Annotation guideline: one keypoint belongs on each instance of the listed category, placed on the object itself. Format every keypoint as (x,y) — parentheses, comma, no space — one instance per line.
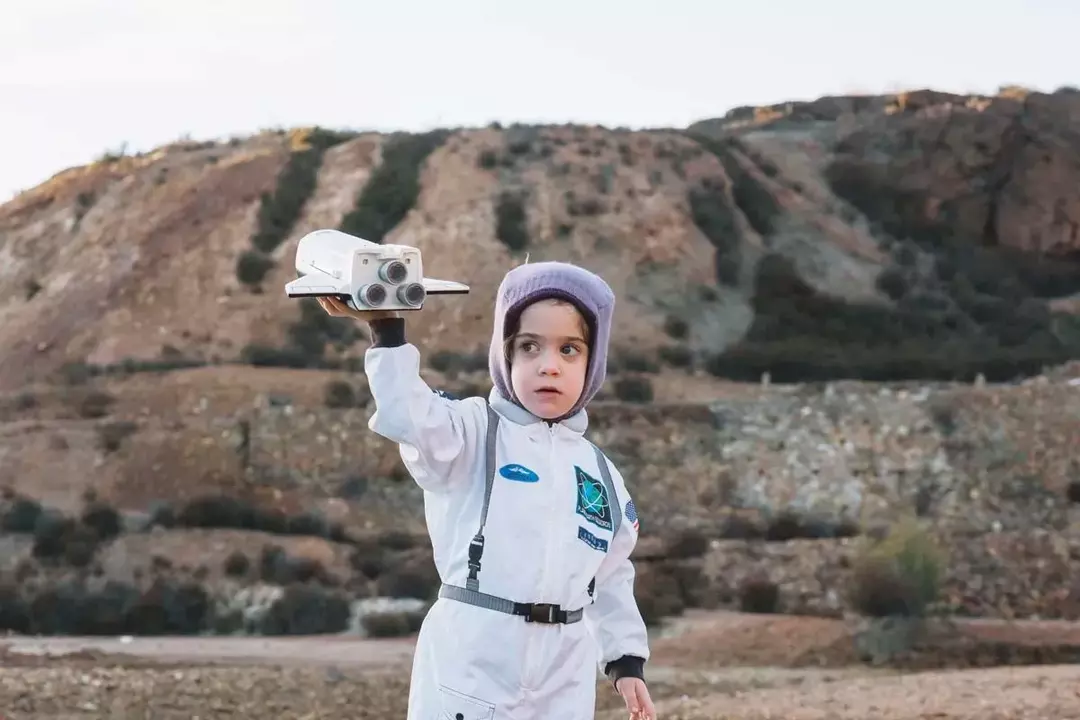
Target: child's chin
(547,411)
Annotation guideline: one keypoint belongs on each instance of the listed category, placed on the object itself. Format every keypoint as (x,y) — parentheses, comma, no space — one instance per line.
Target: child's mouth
(547,391)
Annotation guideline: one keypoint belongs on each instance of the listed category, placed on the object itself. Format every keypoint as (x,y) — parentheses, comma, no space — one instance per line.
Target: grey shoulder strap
(476,546)
(609,485)
(489,451)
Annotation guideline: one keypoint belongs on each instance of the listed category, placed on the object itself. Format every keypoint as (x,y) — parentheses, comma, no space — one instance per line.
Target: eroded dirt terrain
(706,666)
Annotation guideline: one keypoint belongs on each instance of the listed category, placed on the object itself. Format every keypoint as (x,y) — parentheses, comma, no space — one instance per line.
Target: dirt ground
(708,666)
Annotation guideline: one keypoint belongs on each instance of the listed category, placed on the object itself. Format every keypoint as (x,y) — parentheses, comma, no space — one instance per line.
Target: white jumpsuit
(548,534)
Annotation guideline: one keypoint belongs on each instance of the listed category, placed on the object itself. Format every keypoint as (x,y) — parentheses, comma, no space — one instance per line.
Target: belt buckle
(543,613)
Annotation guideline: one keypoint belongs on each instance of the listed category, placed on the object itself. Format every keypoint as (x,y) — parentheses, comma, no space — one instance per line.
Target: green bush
(111,435)
(759,595)
(252,266)
(20,515)
(339,394)
(676,355)
(308,610)
(676,327)
(634,389)
(898,576)
(103,519)
(394,186)
(659,594)
(687,543)
(511,221)
(638,362)
(392,624)
(278,212)
(237,564)
(801,335)
(714,216)
(1072,492)
(296,183)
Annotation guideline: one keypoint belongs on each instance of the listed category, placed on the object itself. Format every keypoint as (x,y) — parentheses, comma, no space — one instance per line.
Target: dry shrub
(759,594)
(393,624)
(899,576)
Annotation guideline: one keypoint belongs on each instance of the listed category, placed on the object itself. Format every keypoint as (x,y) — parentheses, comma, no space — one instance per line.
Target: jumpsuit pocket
(459,706)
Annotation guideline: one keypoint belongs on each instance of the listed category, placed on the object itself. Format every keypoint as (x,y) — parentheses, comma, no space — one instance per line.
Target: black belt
(544,613)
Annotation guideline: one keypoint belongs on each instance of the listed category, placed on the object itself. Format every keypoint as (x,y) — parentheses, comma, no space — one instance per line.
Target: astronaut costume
(519,631)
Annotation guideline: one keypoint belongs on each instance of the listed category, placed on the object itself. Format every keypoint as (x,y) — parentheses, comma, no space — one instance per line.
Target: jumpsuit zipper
(545,564)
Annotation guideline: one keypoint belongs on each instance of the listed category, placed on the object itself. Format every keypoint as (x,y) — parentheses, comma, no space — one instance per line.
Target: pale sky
(78,77)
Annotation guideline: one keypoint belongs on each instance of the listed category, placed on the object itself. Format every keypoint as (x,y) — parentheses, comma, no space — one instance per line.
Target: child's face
(548,358)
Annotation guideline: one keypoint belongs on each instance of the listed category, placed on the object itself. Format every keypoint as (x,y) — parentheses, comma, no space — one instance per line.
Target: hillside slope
(924,235)
(151,359)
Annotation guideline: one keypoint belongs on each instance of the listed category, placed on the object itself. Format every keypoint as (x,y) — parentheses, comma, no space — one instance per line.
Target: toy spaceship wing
(314,285)
(444,287)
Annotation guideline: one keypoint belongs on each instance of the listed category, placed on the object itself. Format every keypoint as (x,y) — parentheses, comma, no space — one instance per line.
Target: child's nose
(549,363)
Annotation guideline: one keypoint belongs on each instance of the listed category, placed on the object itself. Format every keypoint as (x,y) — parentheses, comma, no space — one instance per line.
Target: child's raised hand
(336,308)
(636,696)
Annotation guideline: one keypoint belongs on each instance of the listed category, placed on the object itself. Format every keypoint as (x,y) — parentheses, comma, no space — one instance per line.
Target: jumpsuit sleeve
(433,432)
(614,613)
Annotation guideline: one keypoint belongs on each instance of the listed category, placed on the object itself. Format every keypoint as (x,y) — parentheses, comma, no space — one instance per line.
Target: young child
(533,544)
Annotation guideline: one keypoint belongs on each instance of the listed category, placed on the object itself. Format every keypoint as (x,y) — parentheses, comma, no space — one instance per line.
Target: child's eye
(570,349)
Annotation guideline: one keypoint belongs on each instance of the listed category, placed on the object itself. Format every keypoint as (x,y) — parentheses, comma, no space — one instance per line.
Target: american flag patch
(631,514)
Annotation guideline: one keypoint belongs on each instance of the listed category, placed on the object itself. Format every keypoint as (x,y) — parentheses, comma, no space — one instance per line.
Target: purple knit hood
(530,282)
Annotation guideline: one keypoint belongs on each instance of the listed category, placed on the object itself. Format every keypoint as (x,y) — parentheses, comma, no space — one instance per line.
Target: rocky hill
(917,235)
(149,354)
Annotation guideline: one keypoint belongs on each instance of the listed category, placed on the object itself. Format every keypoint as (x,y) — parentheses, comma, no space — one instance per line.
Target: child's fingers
(333,306)
(646,711)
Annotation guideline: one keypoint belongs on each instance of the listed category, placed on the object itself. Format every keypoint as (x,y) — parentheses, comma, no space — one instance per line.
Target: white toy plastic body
(364,274)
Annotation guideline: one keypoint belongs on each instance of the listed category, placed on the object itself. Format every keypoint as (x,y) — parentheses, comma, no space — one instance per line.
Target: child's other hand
(636,696)
(337,308)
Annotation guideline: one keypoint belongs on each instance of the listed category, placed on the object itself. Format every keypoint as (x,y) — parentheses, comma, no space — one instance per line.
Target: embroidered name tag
(591,540)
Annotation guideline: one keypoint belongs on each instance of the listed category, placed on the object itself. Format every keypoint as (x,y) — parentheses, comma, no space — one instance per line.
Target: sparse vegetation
(237,564)
(102,518)
(756,202)
(222,511)
(1072,492)
(20,515)
(392,624)
(800,335)
(75,605)
(307,341)
(659,594)
(111,435)
(678,356)
(634,389)
(252,266)
(339,394)
(899,575)
(32,288)
(759,594)
(488,159)
(453,361)
(714,216)
(414,578)
(279,212)
(95,404)
(790,525)
(676,327)
(687,543)
(308,610)
(511,221)
(393,187)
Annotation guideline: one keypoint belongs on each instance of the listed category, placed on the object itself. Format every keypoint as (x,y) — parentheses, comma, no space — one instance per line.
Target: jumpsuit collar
(577,423)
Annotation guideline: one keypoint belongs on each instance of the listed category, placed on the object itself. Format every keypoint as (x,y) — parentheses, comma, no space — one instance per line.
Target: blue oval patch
(518,473)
